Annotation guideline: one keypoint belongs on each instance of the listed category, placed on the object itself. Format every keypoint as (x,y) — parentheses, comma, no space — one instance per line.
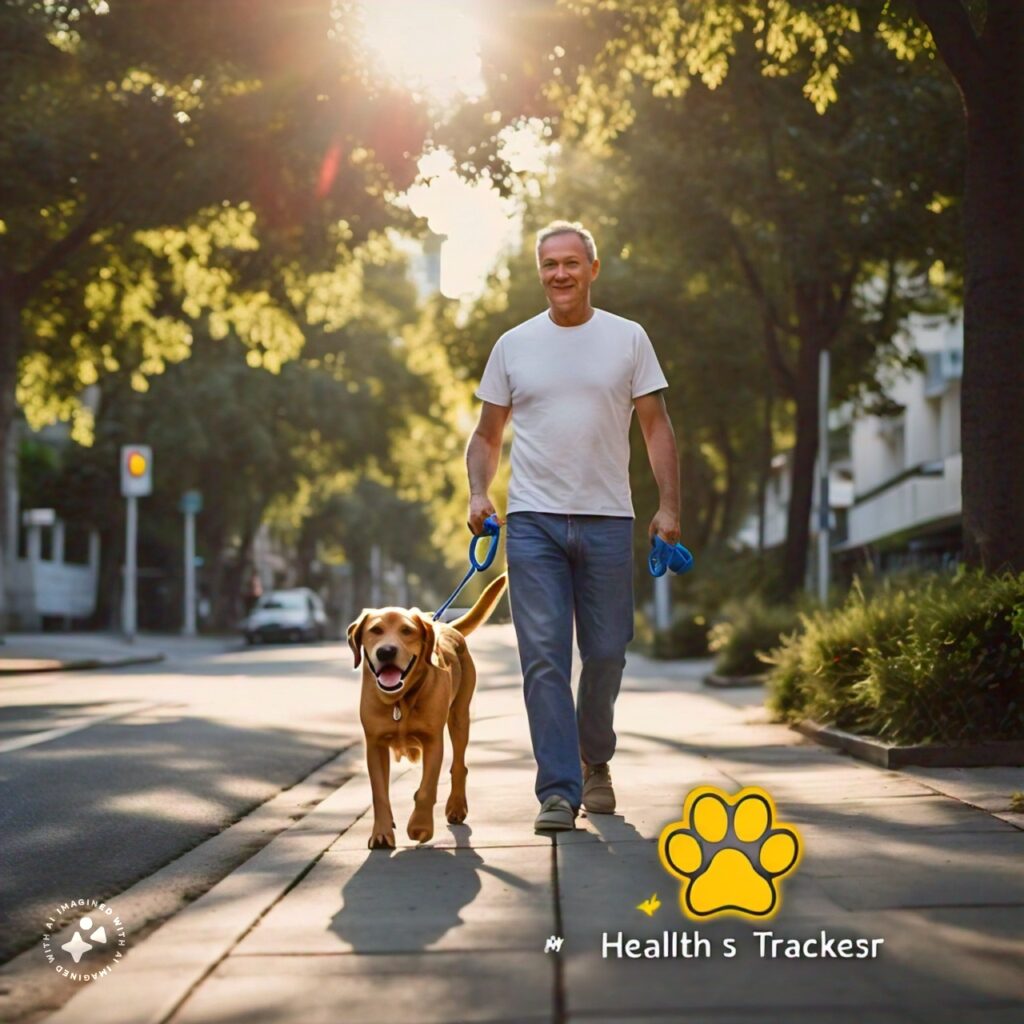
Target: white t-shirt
(571,390)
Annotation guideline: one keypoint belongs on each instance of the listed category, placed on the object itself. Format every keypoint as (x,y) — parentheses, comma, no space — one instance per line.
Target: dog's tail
(481,611)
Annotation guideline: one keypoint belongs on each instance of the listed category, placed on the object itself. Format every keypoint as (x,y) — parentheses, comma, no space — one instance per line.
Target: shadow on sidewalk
(611,829)
(409,900)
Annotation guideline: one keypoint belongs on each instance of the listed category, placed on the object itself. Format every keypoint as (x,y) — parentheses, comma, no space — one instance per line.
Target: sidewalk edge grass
(1001,753)
(32,666)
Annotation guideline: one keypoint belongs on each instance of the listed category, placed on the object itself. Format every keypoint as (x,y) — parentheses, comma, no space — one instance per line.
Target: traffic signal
(136,470)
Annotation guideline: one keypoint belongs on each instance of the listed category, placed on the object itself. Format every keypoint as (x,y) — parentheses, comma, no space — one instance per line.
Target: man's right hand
(480,507)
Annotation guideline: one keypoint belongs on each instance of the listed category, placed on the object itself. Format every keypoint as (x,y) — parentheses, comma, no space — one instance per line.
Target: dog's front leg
(379,767)
(421,823)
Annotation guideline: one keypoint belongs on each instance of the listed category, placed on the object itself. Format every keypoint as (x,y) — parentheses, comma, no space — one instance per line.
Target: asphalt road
(106,776)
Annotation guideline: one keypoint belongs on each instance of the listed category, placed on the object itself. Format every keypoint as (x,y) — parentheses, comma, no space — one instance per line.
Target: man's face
(566,272)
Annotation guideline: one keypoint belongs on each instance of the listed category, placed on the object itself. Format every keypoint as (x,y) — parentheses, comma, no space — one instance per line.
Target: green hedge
(939,660)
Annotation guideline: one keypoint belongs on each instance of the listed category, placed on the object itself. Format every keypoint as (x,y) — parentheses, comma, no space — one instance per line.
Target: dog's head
(395,640)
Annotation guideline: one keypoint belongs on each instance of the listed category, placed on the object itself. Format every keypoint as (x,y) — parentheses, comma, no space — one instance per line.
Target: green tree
(981,42)
(832,223)
(260,446)
(176,168)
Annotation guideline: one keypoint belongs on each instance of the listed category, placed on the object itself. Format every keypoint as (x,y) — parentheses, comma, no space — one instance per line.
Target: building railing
(912,499)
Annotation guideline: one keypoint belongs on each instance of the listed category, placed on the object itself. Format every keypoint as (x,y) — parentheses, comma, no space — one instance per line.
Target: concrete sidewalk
(316,928)
(22,653)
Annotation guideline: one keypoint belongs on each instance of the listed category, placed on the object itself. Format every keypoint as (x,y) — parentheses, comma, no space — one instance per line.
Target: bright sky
(433,48)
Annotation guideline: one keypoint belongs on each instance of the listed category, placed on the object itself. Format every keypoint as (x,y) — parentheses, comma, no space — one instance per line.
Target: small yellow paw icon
(650,905)
(729,853)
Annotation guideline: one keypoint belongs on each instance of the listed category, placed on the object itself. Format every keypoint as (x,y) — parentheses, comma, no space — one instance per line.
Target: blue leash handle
(665,556)
(492,529)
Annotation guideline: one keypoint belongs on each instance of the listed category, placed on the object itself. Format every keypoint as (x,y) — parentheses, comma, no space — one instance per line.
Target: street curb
(160,974)
(996,753)
(734,682)
(79,664)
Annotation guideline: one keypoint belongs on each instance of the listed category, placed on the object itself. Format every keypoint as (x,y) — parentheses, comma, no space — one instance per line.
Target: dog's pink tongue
(390,675)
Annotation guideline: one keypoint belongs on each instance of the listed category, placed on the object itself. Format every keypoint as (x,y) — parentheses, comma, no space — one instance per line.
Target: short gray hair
(567,227)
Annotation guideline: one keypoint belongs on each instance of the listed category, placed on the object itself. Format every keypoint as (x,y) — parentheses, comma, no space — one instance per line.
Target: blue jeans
(563,567)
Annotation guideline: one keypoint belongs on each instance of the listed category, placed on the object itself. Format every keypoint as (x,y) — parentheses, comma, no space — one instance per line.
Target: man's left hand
(666,525)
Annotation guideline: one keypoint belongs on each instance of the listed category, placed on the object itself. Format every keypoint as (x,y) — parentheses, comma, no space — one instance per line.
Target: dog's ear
(429,639)
(355,638)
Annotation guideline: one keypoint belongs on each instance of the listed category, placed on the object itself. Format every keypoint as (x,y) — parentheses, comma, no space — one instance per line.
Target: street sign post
(136,482)
(824,509)
(191,505)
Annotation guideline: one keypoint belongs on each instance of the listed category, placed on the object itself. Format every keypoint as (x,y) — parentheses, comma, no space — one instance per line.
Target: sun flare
(431,47)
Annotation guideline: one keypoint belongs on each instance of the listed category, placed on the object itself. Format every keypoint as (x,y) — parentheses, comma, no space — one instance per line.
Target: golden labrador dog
(417,675)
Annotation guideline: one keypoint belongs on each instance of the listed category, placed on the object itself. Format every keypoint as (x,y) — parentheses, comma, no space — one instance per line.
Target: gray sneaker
(598,795)
(556,815)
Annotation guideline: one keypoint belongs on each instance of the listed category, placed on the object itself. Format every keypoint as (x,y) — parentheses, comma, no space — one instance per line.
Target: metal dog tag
(397,713)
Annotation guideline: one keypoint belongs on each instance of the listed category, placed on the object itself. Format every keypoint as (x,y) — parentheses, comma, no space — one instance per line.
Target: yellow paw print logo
(729,853)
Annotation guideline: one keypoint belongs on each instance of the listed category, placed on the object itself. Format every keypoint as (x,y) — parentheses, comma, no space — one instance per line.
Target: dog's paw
(729,853)
(456,809)
(382,838)
(421,826)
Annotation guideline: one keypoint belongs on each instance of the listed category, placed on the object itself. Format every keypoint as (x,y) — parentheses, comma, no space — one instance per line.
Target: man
(570,378)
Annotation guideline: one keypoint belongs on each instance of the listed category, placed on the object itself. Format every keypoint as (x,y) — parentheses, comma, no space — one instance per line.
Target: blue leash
(492,529)
(665,556)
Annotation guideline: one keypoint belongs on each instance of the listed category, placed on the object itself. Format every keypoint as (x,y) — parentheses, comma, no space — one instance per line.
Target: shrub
(940,659)
(818,670)
(749,628)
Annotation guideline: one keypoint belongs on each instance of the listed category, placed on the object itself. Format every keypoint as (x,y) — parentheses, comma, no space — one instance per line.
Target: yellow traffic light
(136,470)
(137,464)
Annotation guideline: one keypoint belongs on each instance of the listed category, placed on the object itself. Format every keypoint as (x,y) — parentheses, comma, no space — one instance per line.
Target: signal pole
(136,482)
(130,567)
(191,503)
(824,505)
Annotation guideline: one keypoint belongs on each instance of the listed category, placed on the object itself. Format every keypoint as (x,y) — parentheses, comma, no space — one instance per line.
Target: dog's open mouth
(390,677)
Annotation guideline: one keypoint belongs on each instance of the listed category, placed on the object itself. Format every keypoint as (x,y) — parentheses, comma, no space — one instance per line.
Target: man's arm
(660,439)
(482,456)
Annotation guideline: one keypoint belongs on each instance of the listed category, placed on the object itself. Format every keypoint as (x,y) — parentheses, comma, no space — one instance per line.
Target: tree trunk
(709,506)
(798,516)
(10,349)
(992,392)
(689,513)
(765,473)
(726,511)
(989,70)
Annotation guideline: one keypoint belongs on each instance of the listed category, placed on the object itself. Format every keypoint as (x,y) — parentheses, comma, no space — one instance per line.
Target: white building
(894,482)
(906,470)
(50,569)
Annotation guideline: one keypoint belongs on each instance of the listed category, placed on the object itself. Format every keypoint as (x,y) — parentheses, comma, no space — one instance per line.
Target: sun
(430,46)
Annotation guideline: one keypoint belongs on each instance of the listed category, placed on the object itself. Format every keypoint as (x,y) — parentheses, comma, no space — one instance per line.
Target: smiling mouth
(390,677)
